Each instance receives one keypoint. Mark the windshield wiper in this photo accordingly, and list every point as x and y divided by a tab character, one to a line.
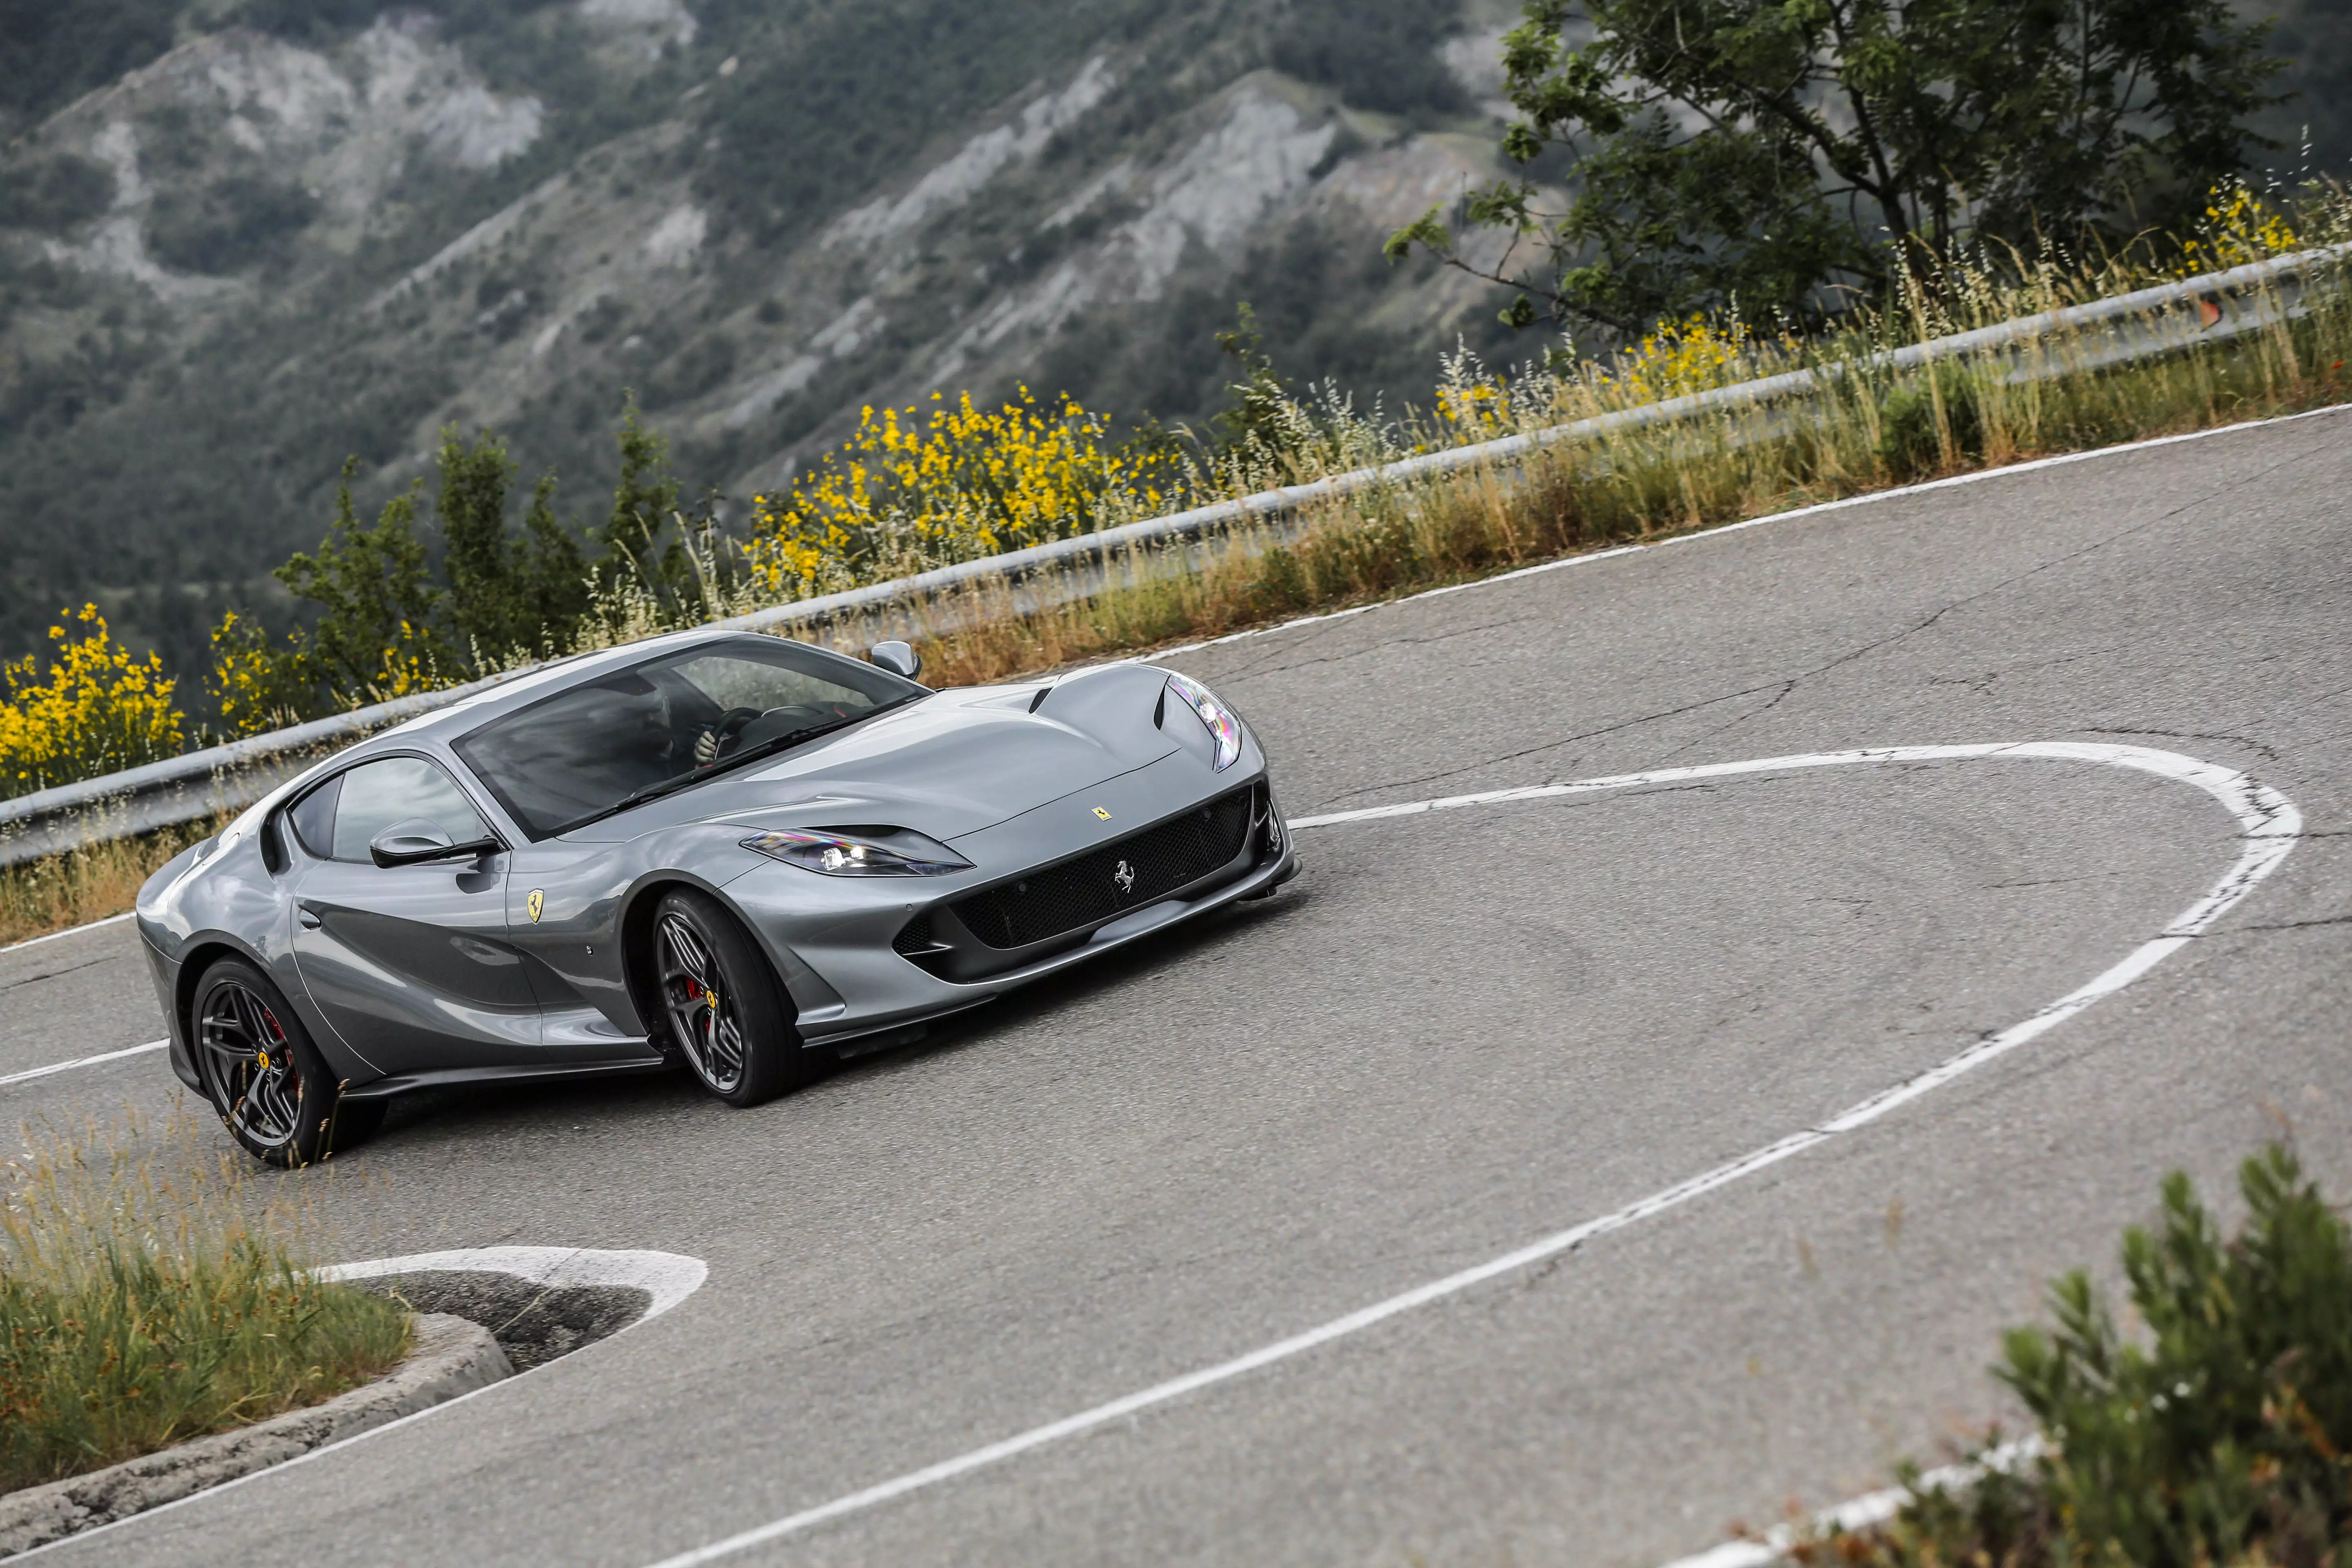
767	748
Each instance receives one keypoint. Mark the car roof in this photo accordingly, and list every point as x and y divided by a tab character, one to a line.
445	724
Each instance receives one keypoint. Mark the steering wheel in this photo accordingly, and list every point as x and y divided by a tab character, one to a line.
718	737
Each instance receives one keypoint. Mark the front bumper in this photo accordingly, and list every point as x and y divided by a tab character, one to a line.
861	993
165	971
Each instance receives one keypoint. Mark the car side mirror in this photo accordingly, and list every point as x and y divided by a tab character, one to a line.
417	839
900	658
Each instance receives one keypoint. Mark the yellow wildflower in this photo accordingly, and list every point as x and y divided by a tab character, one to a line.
97	708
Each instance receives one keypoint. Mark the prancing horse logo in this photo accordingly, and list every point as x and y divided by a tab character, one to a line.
536	903
1124	877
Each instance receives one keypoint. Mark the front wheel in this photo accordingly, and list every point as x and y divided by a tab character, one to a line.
273	1090
731	1017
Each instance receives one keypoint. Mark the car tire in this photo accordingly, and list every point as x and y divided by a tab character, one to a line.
728	1015
264	1076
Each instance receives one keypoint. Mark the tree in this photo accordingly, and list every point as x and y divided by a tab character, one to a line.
376	596
648	537
551	576
387	625
1769	153
507	591
1252	424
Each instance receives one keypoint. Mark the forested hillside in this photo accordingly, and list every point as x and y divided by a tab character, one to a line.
243	240
240	241
2315	39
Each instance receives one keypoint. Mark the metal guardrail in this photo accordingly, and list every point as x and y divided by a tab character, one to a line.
200	783
2145	324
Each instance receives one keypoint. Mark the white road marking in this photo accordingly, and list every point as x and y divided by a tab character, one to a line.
2268	825
70	931
668	1277
83	1062
1701	535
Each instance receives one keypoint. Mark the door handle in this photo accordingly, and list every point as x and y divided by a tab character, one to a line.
309	917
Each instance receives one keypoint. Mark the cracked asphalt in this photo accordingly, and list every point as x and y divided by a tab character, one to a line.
1456	1033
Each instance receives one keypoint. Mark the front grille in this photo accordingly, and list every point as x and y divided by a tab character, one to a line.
1086	891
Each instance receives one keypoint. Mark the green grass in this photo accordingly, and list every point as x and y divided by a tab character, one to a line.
150	1294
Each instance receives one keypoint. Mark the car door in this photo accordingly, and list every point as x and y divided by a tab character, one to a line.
411	964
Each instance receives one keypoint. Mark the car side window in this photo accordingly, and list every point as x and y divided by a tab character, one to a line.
377	794
313	818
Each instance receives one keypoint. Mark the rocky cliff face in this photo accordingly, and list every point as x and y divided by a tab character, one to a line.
264	249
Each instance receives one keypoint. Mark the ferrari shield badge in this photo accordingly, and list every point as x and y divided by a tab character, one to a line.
1101	812
536	903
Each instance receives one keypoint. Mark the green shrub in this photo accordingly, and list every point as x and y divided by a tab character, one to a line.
2221	1433
2231	1428
235	223
1926	427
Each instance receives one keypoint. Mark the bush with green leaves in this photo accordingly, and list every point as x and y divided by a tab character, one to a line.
509	592
395	615
2219	1432
1776	158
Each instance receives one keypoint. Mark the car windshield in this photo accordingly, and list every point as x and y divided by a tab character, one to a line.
582	752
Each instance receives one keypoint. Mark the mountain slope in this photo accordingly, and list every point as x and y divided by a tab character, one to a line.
269	246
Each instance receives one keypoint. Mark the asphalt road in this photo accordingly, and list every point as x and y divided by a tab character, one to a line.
1456	1033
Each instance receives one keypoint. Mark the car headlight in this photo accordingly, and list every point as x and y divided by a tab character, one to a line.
861	852
1223	726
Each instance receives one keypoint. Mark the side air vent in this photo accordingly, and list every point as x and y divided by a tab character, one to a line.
914	938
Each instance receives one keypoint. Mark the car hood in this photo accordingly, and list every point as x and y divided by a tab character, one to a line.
952	763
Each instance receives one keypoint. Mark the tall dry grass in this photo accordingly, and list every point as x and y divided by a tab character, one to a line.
152	1290
58	891
1864	429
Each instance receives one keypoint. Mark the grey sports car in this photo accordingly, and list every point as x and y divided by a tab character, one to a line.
726	850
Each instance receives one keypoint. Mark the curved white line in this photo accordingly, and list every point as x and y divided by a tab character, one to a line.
2270	824
669	1277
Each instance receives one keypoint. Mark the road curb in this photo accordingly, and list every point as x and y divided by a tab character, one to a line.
451	1357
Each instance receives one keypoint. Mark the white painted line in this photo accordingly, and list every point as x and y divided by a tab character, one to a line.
668	1277
1864	1512
1696	536
70	931
83	1062
2268	825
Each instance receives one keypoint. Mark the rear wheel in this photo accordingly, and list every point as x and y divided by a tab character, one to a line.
730	1016
274	1092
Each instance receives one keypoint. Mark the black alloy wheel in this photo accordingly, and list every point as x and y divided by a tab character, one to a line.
274	1092
728	1015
